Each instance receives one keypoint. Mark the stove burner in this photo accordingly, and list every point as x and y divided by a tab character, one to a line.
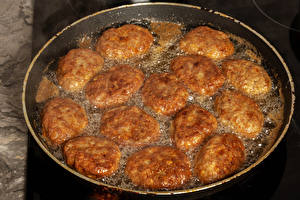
276	178
266	9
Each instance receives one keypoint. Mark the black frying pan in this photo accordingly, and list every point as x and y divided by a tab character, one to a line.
191	16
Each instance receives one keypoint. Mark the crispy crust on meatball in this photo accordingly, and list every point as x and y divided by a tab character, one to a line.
62	119
114	87
247	77
158	167
92	156
129	126
164	93
198	73
220	157
240	113
124	42
77	67
207	42
192	126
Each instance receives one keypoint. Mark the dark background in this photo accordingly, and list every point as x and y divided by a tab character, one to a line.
278	177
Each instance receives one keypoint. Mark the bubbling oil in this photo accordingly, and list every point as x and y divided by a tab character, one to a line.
158	61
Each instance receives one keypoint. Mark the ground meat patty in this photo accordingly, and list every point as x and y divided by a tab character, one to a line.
240	113
114	87
192	126
207	42
129	126
198	73
124	42
158	167
62	119
220	157
77	68
247	77
164	93
92	156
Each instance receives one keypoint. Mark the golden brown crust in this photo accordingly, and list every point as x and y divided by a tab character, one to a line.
114	87
129	126
62	119
207	42
240	113
247	77
77	67
198	73
92	156
158	167
221	156
164	93
124	42
192	126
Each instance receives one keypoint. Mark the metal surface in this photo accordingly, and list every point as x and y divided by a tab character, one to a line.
64	40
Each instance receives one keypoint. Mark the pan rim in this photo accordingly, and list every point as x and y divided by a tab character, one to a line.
171	192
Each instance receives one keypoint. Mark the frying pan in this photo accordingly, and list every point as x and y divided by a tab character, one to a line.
190	16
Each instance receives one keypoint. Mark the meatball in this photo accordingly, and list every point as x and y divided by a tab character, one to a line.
164	93
158	167
62	119
92	156
240	113
124	42
198	73
220	157
114	87
77	67
247	77
129	126
207	42
192	126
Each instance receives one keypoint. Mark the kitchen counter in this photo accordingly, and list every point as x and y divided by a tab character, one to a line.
15	55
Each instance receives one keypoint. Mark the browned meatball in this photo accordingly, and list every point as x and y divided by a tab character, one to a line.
129	126
221	156
164	93
247	77
198	73
77	67
62	119
192	126
124	42
158	167
240	113
92	156
114	87
207	42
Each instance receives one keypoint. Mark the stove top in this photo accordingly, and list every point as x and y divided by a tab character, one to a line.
278	177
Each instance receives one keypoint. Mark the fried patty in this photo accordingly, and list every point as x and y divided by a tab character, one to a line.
77	67
220	157
240	113
207	42
249	78
92	156
192	126
62	119
158	167
198	73
114	87
129	126
124	42
164	93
